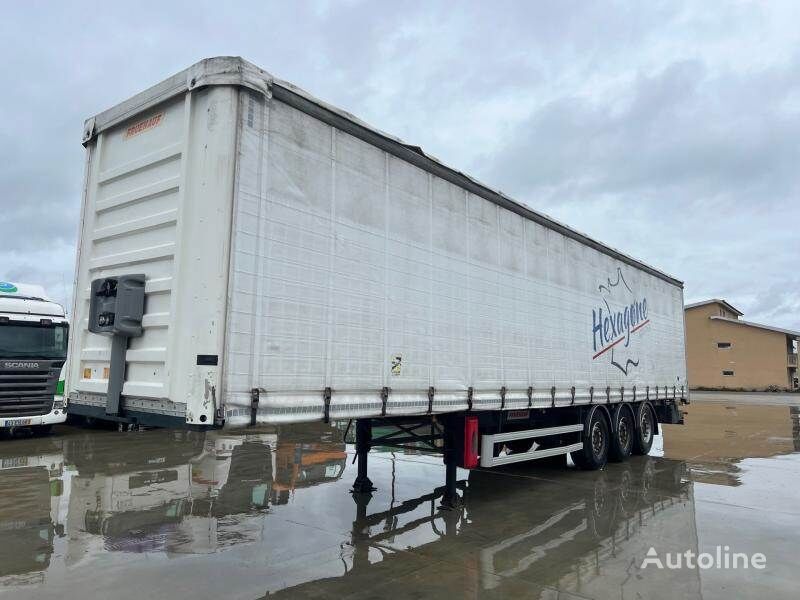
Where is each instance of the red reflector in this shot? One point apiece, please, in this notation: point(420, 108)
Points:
point(470, 458)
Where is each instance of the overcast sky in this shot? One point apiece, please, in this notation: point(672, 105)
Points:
point(670, 131)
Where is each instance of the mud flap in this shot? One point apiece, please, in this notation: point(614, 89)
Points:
point(669, 413)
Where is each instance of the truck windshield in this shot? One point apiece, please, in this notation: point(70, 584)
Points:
point(33, 340)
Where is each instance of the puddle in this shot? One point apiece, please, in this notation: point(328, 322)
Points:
point(268, 512)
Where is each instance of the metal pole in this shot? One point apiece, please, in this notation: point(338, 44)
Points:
point(359, 536)
point(450, 499)
point(116, 375)
point(451, 518)
point(362, 484)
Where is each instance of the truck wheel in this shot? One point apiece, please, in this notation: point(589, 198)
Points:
point(624, 432)
point(645, 429)
point(596, 439)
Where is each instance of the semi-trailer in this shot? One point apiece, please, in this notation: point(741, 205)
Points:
point(251, 254)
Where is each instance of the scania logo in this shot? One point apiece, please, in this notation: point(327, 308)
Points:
point(22, 365)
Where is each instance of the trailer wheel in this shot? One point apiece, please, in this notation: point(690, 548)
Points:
point(596, 440)
point(645, 429)
point(624, 431)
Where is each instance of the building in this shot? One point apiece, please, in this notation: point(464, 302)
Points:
point(723, 351)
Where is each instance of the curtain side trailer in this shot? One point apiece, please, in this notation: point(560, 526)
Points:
point(250, 254)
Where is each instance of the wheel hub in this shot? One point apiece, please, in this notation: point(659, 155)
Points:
point(646, 429)
point(624, 432)
point(598, 439)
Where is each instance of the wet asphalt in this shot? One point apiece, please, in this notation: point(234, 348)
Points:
point(267, 513)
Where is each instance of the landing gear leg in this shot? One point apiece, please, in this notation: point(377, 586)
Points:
point(359, 536)
point(362, 484)
point(450, 499)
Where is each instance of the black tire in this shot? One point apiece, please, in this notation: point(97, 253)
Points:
point(596, 441)
point(628, 492)
point(645, 429)
point(623, 434)
point(600, 509)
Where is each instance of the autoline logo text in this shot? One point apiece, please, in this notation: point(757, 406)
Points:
point(721, 558)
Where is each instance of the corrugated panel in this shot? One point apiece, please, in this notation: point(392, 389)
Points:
point(130, 225)
point(353, 270)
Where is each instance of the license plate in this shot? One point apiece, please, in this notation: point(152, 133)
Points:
point(11, 463)
point(17, 422)
point(518, 414)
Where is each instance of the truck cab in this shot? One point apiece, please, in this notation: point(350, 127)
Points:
point(33, 350)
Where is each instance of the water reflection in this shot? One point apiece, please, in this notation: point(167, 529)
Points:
point(716, 437)
point(31, 487)
point(794, 412)
point(525, 528)
point(272, 506)
point(191, 492)
point(159, 491)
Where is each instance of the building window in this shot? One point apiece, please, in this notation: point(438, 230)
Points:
point(723, 345)
point(728, 373)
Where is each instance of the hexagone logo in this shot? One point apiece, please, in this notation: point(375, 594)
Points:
point(614, 324)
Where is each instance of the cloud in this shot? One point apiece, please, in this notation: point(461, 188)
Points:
point(668, 130)
point(692, 169)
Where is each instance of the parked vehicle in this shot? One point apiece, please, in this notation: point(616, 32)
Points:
point(33, 347)
point(33, 517)
point(250, 254)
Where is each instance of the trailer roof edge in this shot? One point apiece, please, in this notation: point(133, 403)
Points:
point(233, 70)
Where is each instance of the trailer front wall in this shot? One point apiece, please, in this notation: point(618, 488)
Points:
point(355, 271)
point(158, 201)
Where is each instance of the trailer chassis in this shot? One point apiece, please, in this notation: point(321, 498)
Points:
point(438, 436)
point(476, 439)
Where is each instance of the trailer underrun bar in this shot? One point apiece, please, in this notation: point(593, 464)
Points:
point(488, 443)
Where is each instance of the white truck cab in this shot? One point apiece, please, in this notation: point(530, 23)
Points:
point(33, 350)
